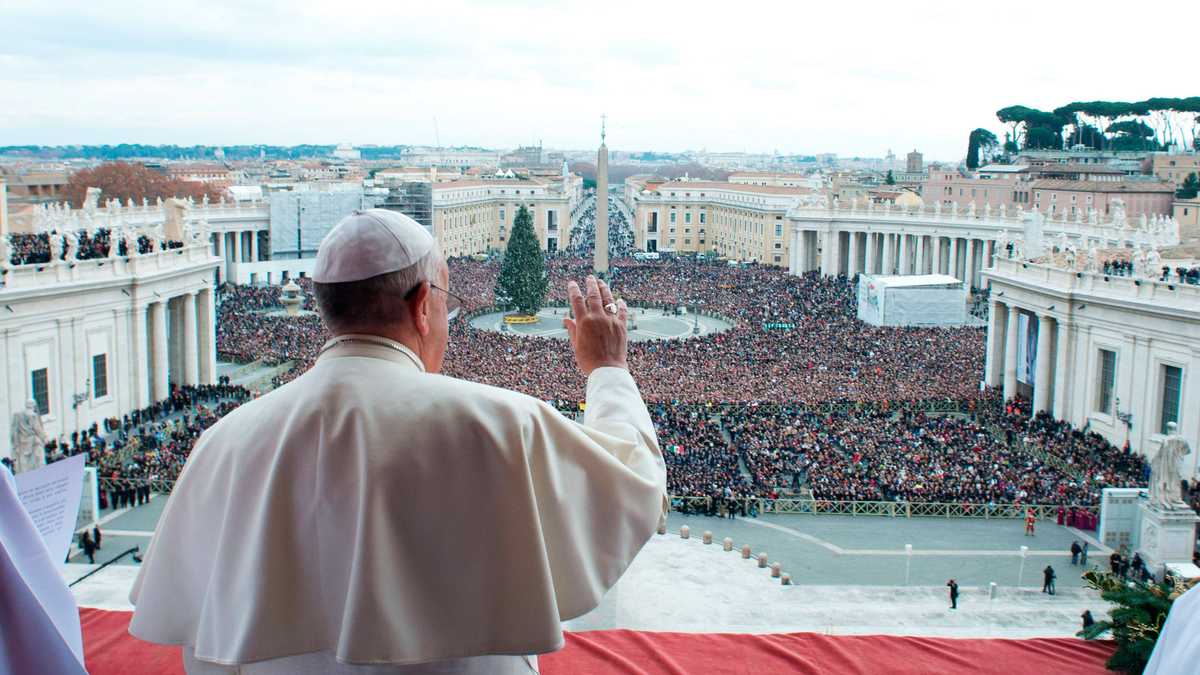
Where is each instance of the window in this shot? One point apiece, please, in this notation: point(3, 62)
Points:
point(705, 220)
point(501, 214)
point(1108, 376)
point(672, 216)
point(779, 229)
point(672, 230)
point(687, 241)
point(701, 242)
point(1172, 382)
point(41, 390)
point(687, 217)
point(702, 229)
point(972, 192)
point(778, 244)
point(672, 240)
point(100, 376)
point(687, 230)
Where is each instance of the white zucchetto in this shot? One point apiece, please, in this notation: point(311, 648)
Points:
point(368, 243)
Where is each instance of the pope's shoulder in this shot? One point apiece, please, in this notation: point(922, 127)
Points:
point(376, 383)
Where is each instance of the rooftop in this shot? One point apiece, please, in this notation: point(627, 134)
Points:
point(1101, 186)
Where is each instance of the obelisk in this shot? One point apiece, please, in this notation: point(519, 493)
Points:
point(600, 260)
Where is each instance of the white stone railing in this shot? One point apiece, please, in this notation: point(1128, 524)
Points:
point(70, 271)
point(62, 218)
point(1135, 289)
point(1111, 230)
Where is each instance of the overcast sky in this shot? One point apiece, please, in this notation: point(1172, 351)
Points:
point(852, 78)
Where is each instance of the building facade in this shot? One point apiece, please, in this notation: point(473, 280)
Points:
point(475, 217)
point(95, 339)
point(739, 221)
point(1117, 355)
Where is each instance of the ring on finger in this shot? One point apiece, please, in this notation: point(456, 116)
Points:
point(611, 308)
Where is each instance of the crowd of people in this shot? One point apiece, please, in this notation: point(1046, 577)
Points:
point(765, 444)
point(34, 249)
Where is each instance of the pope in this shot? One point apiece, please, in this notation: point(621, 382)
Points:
point(373, 516)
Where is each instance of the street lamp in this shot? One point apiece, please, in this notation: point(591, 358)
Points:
point(1021, 574)
point(908, 562)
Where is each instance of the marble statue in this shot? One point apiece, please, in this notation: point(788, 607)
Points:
point(28, 438)
point(1166, 471)
point(971, 209)
point(1062, 241)
point(1139, 262)
point(1070, 257)
point(6, 251)
point(130, 237)
point(92, 199)
point(1153, 263)
point(937, 207)
point(158, 237)
point(1001, 245)
point(1002, 210)
point(1093, 217)
point(1018, 247)
point(1093, 262)
point(72, 245)
point(1118, 212)
point(56, 247)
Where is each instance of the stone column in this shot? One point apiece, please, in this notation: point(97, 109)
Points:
point(1062, 371)
point(802, 251)
point(830, 253)
point(161, 383)
point(219, 245)
point(937, 255)
point(141, 374)
point(253, 245)
point(237, 247)
point(905, 255)
point(852, 257)
point(872, 252)
point(191, 361)
point(971, 281)
point(994, 374)
point(921, 241)
point(207, 327)
point(1010, 354)
point(954, 248)
point(889, 253)
point(1041, 378)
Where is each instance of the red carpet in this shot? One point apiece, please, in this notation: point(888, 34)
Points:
point(110, 650)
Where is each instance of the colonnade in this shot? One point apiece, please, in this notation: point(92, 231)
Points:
point(1050, 355)
point(237, 246)
point(183, 347)
point(850, 253)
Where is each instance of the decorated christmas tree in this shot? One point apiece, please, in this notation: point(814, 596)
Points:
point(522, 281)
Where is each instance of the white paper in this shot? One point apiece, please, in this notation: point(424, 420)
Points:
point(51, 496)
point(40, 618)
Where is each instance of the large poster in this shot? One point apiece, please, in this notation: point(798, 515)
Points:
point(1027, 336)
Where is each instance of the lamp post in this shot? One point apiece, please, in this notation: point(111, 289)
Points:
point(1024, 551)
point(907, 562)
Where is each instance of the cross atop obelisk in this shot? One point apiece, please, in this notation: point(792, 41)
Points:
point(600, 255)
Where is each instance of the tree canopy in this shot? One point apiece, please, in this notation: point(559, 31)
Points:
point(1190, 187)
point(980, 142)
point(523, 277)
point(1107, 125)
point(125, 181)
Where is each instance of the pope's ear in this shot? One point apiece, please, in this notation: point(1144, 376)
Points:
point(418, 308)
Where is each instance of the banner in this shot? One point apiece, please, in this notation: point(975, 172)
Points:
point(1027, 337)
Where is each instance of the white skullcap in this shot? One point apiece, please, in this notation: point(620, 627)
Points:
point(369, 243)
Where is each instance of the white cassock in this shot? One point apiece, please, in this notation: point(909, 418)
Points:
point(370, 514)
point(1178, 647)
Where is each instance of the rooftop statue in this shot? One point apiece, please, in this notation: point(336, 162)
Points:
point(1166, 471)
point(1093, 263)
point(28, 438)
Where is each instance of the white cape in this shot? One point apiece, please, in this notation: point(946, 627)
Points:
point(392, 516)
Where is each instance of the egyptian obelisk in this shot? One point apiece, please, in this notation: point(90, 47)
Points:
point(600, 260)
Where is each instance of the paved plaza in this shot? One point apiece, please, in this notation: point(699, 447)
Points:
point(651, 324)
point(848, 575)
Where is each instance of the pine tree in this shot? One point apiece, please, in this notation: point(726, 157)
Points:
point(1190, 187)
point(522, 277)
point(1136, 619)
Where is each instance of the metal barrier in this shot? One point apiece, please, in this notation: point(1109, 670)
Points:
point(761, 505)
point(1045, 456)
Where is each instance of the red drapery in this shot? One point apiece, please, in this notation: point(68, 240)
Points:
point(110, 650)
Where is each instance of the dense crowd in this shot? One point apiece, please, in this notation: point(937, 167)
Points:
point(32, 249)
point(766, 447)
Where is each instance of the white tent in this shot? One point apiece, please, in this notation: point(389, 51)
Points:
point(911, 300)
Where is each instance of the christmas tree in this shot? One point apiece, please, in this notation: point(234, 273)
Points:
point(522, 279)
point(1136, 619)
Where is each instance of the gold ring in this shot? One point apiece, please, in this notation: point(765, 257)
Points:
point(611, 308)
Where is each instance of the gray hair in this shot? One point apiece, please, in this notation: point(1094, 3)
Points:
point(377, 300)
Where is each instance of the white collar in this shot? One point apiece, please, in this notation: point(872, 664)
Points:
point(376, 340)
